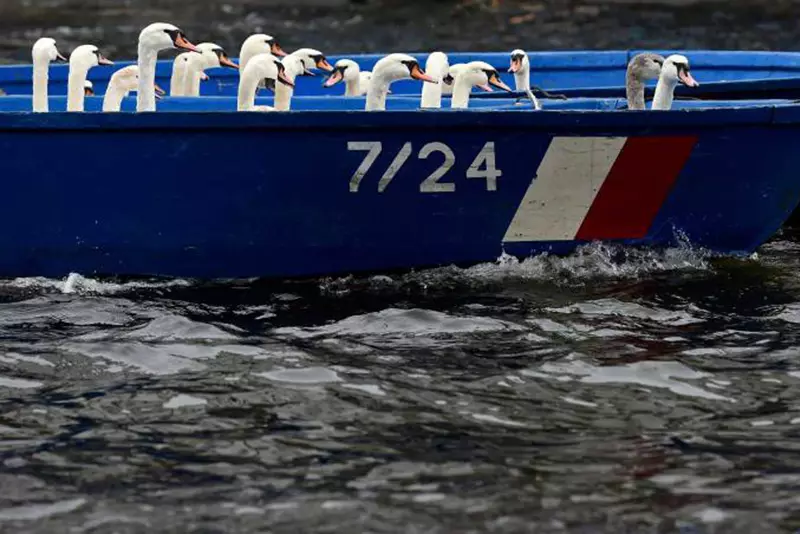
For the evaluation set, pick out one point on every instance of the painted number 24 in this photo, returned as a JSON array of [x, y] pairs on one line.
[[483, 166]]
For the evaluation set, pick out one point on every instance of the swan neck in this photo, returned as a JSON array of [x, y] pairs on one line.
[[191, 83], [146, 93], [431, 95], [522, 78], [352, 87], [248, 83], [176, 80], [665, 92], [112, 101], [634, 91], [376, 94], [75, 88], [41, 78], [461, 91]]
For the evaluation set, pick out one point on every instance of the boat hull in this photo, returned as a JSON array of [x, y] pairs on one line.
[[309, 193]]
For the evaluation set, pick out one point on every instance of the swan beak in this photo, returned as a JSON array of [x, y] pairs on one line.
[[307, 72], [284, 80], [418, 74], [204, 76], [485, 87], [104, 61], [686, 78], [333, 79], [226, 62], [159, 91], [516, 65], [88, 92], [183, 44], [497, 82], [276, 49], [60, 57], [323, 64]]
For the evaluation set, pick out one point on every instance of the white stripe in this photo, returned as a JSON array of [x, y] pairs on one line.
[[566, 183]]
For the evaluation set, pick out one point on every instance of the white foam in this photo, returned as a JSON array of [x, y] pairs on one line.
[[619, 308], [394, 321], [40, 511], [309, 375], [367, 388], [659, 374], [183, 401], [486, 418], [579, 402], [75, 283], [19, 383]]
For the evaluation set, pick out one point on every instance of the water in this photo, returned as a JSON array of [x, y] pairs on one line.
[[609, 391]]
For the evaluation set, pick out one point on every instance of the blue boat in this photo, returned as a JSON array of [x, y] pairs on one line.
[[304, 193], [601, 74]]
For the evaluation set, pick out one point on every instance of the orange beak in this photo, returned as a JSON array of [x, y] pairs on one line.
[[418, 74], [687, 79], [183, 44], [276, 49], [60, 57], [516, 65], [104, 61], [485, 87], [159, 90], [324, 65], [497, 82], [333, 79], [226, 62], [284, 80]]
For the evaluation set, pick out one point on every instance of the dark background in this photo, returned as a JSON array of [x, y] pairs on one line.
[[394, 25]]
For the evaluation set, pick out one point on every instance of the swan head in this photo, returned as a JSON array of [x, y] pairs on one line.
[[519, 60], [400, 67], [215, 56], [261, 43], [312, 59], [345, 70], [45, 50], [480, 74], [162, 36], [87, 56], [127, 79], [646, 66], [268, 67], [88, 88], [676, 69]]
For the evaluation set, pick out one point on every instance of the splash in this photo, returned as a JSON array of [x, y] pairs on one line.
[[75, 283]]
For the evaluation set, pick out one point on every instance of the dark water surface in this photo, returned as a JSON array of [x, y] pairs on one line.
[[611, 391]]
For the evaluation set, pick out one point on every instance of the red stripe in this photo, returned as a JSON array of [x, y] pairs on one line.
[[636, 187]]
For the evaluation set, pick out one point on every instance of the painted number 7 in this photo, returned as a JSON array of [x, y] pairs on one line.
[[483, 166]]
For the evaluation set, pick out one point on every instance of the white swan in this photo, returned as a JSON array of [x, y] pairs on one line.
[[44, 52], [178, 76], [300, 62], [474, 73], [211, 56], [641, 68], [356, 81], [258, 68], [121, 83], [437, 67], [81, 60], [152, 39], [258, 43], [674, 71], [390, 69], [521, 69]]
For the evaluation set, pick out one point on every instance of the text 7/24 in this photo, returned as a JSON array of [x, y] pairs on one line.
[[483, 166]]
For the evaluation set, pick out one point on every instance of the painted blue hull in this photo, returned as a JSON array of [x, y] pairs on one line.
[[600, 74], [280, 195]]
